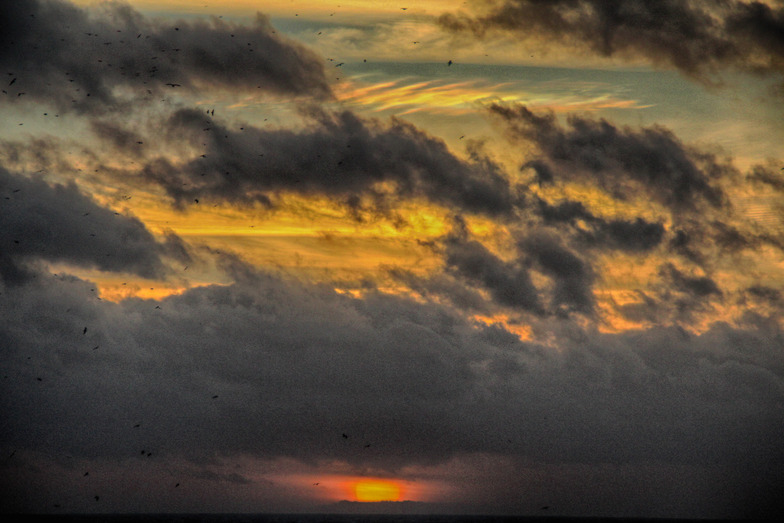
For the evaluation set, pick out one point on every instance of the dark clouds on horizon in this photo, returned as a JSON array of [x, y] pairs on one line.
[[295, 366], [701, 39]]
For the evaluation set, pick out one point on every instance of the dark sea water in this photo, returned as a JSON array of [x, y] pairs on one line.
[[329, 518]]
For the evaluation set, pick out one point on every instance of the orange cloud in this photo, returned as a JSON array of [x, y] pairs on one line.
[[406, 96]]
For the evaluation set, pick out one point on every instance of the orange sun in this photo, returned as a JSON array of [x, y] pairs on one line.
[[376, 490]]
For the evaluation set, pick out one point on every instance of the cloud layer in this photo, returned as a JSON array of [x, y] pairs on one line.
[[273, 368], [700, 39]]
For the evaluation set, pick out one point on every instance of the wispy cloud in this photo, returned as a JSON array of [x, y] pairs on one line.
[[407, 96]]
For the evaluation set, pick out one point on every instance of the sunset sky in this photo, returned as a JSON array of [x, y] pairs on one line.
[[493, 256]]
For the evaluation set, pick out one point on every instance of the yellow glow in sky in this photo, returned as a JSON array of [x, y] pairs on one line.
[[375, 490]]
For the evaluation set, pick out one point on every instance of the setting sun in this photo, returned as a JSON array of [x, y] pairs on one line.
[[373, 490]]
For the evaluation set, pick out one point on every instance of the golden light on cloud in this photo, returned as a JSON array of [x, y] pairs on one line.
[[411, 95], [432, 95], [524, 332]]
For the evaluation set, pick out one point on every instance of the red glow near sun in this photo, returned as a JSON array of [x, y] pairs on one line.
[[366, 489]]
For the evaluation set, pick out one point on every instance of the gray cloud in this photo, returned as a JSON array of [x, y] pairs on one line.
[[295, 366], [697, 286], [767, 176], [80, 58], [338, 154], [509, 283], [636, 235], [698, 38], [622, 161], [572, 277], [58, 223]]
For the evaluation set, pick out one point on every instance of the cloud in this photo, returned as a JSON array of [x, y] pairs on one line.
[[697, 286], [572, 277], [509, 283], [58, 223], [698, 38], [294, 366], [621, 161], [637, 235], [88, 59], [764, 175], [337, 154]]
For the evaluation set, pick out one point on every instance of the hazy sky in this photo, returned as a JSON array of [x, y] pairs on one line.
[[490, 256]]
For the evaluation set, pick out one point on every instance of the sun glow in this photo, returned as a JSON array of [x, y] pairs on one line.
[[376, 490]]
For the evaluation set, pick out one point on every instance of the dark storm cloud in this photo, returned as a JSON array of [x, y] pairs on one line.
[[703, 240], [682, 295], [697, 286], [80, 58], [698, 38], [622, 161], [338, 154], [295, 366], [509, 283], [765, 292], [767, 176], [565, 211], [636, 235], [571, 276], [117, 135], [58, 223]]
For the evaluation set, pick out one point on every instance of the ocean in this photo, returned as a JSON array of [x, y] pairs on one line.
[[330, 518]]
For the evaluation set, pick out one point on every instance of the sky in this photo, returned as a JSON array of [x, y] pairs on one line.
[[484, 257]]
